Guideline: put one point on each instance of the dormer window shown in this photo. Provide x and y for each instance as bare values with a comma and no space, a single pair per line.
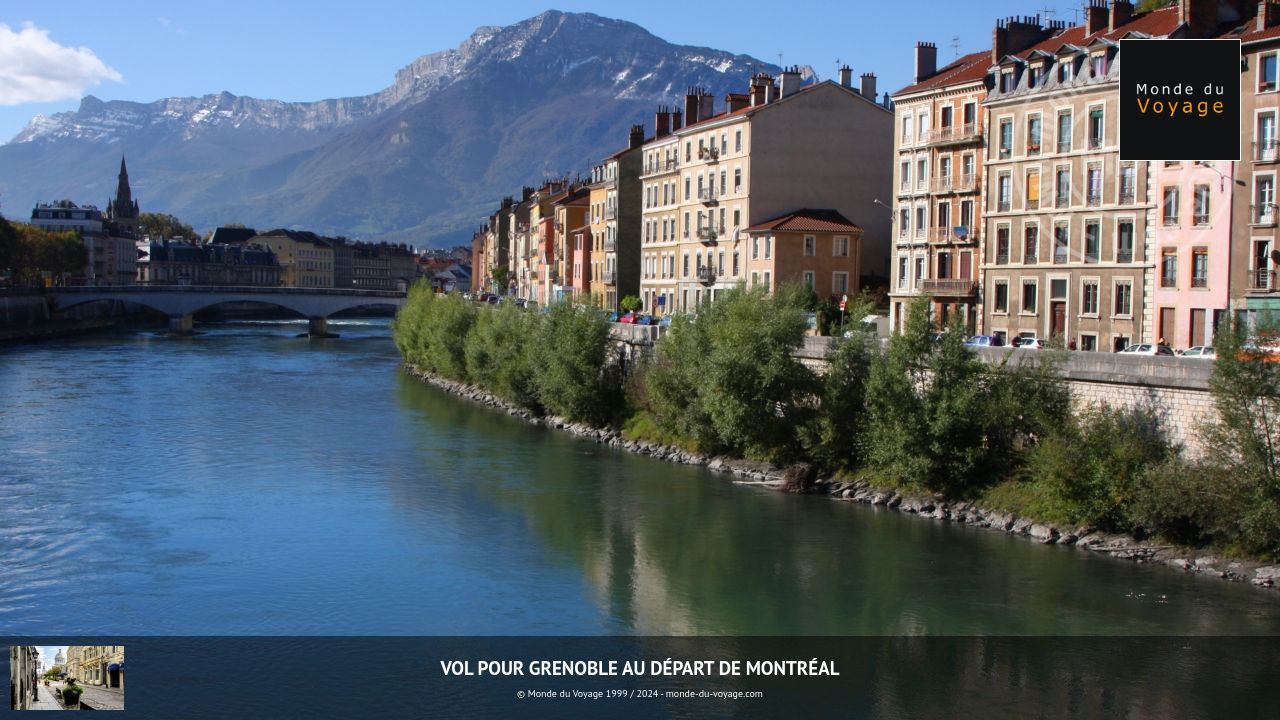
1033,77
1099,62
1006,81
1064,70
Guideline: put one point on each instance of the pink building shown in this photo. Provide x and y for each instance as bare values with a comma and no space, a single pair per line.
581,267
1191,250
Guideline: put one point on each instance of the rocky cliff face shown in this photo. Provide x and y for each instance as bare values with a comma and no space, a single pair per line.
419,161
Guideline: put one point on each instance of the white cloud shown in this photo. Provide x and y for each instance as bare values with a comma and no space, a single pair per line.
34,68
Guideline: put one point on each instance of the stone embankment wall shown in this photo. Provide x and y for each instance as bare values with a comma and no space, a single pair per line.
1176,388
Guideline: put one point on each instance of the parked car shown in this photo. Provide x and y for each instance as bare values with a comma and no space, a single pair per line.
1200,351
984,341
1148,349
628,319
1028,343
614,317
645,320
664,321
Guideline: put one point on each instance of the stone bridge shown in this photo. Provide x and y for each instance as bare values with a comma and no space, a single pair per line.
180,302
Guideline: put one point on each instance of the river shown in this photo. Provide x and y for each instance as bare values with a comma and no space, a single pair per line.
249,482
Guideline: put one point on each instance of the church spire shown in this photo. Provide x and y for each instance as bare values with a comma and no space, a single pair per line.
123,209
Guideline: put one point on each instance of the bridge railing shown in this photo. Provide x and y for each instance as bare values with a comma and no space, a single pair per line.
237,289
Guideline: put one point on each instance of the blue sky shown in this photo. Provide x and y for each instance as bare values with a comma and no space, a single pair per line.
51,54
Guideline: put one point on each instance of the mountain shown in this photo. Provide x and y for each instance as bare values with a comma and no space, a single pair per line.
421,161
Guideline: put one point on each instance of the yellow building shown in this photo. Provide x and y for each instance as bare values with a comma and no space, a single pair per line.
305,259
101,665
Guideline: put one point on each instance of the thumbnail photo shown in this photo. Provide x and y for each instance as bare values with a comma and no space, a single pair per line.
66,677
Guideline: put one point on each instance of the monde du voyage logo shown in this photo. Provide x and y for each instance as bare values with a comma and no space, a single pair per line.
1179,100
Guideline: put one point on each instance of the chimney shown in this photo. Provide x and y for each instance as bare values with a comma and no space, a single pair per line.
677,121
1095,16
706,104
846,76
636,139
1200,17
1268,14
1121,11
926,60
758,83
735,101
662,122
526,193
691,106
868,88
770,92
1015,34
790,81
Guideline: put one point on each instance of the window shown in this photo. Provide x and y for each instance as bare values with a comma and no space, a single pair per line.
735,263
1064,132
902,272
1032,200
1168,268
1124,298
966,215
1031,244
1006,138
810,245
1004,190
737,180
686,264
1033,135
970,117
1170,206
1093,185
904,222
737,217
944,170
766,281
944,266
1202,205
1062,193
768,247
1267,72
1265,200
919,269
686,187
1200,268
905,182
922,221
1099,63
1061,243
1128,183
1265,138
1124,241
1088,342
1064,71
808,279
906,129
1096,132
944,217
1033,75
1092,240
840,246
1089,297
1029,290
737,141
839,283
1002,245
922,173
1006,81
1002,296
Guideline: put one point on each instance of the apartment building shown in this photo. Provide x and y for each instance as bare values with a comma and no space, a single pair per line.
306,260
622,218
774,150
937,179
659,180
570,210
595,235
1192,249
1255,251
819,248
518,244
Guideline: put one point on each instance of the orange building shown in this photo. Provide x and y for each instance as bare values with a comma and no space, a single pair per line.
819,248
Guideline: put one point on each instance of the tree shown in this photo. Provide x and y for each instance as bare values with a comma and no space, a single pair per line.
630,303
162,226
837,436
569,364
1149,5
501,276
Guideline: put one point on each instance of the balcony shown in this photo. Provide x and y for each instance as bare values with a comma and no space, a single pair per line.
709,233
1124,255
706,274
710,154
1032,203
610,212
948,235
1064,146
1199,281
951,288
1061,201
1060,256
1095,143
1263,214
953,135
1005,153
1126,196
1003,206
1093,200
1261,280
708,196
609,277
610,244
1030,256
1199,219
1265,152
1002,258
1033,149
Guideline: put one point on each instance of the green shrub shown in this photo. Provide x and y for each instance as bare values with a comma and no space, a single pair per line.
569,364
1097,464
499,352
836,437
446,322
410,322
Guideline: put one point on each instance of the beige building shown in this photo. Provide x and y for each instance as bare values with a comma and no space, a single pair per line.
305,259
1255,287
776,149
101,665
594,256
938,180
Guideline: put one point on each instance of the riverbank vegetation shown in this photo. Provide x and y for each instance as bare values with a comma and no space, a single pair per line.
923,415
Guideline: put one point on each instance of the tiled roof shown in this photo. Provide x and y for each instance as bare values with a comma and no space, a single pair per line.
966,69
1247,32
807,220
